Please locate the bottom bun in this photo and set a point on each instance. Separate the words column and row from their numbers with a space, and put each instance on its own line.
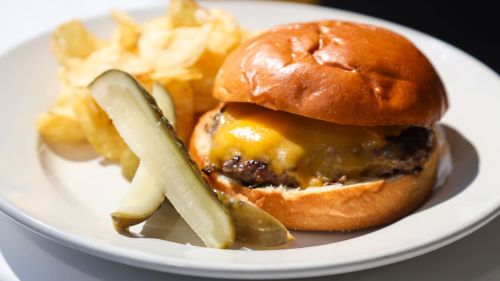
column 334, row 207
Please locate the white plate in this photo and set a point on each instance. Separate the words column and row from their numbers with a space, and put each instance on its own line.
column 68, row 197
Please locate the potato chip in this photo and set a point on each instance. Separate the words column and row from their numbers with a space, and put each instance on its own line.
column 225, row 35
column 158, row 24
column 72, row 41
column 64, row 103
column 129, row 163
column 181, row 13
column 127, row 32
column 103, row 59
column 60, row 123
column 98, row 128
column 176, row 48
column 152, row 42
column 183, row 97
column 208, row 64
column 59, row 128
column 178, row 74
column 146, row 81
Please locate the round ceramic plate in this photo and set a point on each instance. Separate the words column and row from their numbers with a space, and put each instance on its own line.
column 68, row 194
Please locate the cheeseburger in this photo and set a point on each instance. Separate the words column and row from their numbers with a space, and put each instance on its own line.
column 326, row 125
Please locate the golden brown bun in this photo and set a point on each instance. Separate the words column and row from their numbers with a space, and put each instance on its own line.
column 347, row 207
column 341, row 72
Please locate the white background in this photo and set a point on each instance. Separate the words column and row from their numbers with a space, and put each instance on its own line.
column 25, row 255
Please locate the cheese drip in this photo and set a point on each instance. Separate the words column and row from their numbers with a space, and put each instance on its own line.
column 314, row 152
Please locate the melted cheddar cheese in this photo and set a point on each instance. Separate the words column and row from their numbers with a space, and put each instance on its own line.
column 314, row 152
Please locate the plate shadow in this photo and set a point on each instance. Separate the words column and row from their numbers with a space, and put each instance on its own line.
column 465, row 169
column 166, row 224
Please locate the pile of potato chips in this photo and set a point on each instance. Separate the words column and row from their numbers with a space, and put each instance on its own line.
column 182, row 51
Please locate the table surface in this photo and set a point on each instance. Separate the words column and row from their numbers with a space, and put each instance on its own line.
column 25, row 255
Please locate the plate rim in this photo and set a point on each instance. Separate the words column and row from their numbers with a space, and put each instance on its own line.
column 119, row 254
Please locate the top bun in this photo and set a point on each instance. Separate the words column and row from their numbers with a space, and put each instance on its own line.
column 341, row 72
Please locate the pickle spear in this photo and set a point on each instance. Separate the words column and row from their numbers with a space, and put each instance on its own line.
column 141, row 124
column 254, row 225
column 141, row 200
column 145, row 194
column 165, row 103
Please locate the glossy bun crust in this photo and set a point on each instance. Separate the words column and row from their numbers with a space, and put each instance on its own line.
column 328, row 208
column 341, row 72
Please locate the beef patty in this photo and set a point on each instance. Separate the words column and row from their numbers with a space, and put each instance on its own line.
column 404, row 154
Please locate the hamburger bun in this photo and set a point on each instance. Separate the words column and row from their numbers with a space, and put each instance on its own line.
column 333, row 207
column 341, row 72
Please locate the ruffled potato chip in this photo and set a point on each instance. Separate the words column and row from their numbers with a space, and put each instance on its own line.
column 127, row 33
column 225, row 33
column 98, row 128
column 103, row 59
column 102, row 135
column 176, row 48
column 158, row 24
column 129, row 163
column 72, row 41
column 208, row 64
column 181, row 13
column 183, row 97
column 183, row 74
column 59, row 128
column 60, row 123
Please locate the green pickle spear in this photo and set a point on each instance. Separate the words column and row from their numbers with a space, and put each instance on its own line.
column 165, row 103
column 145, row 194
column 149, row 135
column 167, row 168
column 253, row 225
column 141, row 200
